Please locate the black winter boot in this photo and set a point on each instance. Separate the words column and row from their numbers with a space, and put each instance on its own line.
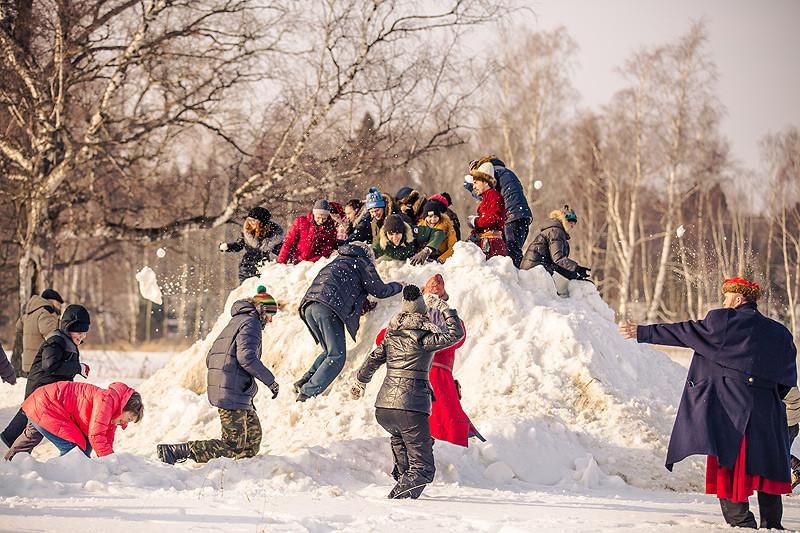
column 173, row 453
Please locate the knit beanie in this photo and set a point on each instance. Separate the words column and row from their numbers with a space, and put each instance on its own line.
column 260, row 213
column 394, row 224
column 322, row 207
column 412, row 300
column 374, row 199
column 402, row 193
column 749, row 289
column 435, row 285
column 50, row 294
column 443, row 199
column 266, row 301
column 434, row 207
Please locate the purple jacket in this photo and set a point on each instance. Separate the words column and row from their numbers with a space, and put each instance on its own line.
column 743, row 365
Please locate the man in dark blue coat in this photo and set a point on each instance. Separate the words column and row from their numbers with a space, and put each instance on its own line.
column 234, row 364
column 731, row 408
column 518, row 214
column 335, row 300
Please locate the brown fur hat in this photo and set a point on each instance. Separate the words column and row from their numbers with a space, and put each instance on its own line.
column 750, row 290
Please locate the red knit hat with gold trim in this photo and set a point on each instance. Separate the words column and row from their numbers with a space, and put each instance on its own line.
column 749, row 289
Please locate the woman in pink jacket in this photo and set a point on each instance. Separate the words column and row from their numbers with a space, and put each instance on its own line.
column 73, row 414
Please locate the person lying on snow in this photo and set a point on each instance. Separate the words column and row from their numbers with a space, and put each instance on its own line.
column 79, row 415
column 234, row 364
column 403, row 404
column 399, row 241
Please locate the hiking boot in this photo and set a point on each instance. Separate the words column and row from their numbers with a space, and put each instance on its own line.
column 302, row 397
column 173, row 453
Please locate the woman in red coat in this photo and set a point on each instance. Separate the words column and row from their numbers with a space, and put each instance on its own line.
column 448, row 420
column 311, row 237
column 488, row 224
column 73, row 414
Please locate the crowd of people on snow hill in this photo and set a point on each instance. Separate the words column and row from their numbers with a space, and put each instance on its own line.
column 740, row 404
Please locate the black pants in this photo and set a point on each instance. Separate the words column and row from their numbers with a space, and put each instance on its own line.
column 412, row 447
column 516, row 232
column 770, row 507
column 14, row 428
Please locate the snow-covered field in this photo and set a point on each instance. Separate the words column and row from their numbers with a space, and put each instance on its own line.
column 577, row 422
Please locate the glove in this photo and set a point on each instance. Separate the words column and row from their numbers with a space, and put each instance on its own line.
column 223, row 247
column 421, row 257
column 471, row 221
column 274, row 388
column 357, row 390
column 369, row 305
column 468, row 178
column 434, row 302
column 84, row 370
column 11, row 379
column 582, row 272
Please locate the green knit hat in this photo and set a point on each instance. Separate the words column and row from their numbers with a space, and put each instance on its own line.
column 266, row 300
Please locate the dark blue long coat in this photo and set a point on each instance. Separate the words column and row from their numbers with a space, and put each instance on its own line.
column 509, row 186
column 343, row 285
column 743, row 365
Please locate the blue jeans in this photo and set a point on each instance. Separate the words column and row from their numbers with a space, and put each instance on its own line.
column 516, row 232
column 329, row 331
column 63, row 445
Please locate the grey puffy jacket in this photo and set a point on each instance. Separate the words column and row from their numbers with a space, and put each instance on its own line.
column 234, row 360
column 550, row 248
column 407, row 349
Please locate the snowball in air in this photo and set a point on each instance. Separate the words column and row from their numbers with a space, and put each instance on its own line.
column 148, row 285
column 537, row 184
column 161, row 252
column 680, row 231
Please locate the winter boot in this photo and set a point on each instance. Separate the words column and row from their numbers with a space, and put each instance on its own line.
column 299, row 384
column 302, row 397
column 173, row 453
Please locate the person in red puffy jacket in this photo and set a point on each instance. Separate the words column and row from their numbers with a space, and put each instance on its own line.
column 311, row 237
column 73, row 414
column 487, row 226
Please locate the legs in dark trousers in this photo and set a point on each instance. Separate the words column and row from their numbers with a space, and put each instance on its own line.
column 770, row 507
column 515, row 234
column 14, row 428
column 329, row 330
column 411, row 441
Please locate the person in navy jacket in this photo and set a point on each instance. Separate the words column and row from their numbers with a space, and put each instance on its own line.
column 731, row 408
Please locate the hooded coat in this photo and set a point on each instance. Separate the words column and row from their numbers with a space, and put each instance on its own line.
column 79, row 411
column 550, row 248
column 343, row 285
column 414, row 240
column 256, row 250
column 445, row 249
column 40, row 319
column 234, row 360
column 308, row 241
column 58, row 358
column 742, row 367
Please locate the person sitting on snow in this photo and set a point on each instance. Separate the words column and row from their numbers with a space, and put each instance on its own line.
column 78, row 415
column 58, row 359
column 335, row 300
column 434, row 217
column 550, row 248
column 403, row 404
column 399, row 241
column 234, row 364
column 377, row 207
column 311, row 237
column 261, row 240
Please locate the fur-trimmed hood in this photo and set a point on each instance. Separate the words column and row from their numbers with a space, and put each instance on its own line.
column 559, row 215
column 383, row 239
column 412, row 321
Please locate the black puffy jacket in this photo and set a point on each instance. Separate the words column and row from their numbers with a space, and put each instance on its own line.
column 550, row 248
column 407, row 349
column 234, row 360
column 343, row 286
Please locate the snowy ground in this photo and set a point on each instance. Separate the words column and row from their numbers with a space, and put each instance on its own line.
column 577, row 422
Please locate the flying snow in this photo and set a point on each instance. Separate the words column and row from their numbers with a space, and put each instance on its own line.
column 148, row 285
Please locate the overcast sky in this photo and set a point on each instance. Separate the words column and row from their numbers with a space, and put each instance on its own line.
column 755, row 44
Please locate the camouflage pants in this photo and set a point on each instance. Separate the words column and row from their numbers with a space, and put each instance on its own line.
column 241, row 437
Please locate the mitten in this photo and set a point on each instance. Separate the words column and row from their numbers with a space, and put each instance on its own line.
column 357, row 390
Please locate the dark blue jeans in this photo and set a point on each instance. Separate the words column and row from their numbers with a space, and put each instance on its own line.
column 329, row 331
column 516, row 232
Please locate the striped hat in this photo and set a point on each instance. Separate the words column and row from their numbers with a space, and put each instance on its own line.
column 268, row 303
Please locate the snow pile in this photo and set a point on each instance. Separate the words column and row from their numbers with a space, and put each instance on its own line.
column 148, row 285
column 562, row 398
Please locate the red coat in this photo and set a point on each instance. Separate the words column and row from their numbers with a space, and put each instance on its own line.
column 75, row 411
column 306, row 241
column 448, row 420
column 491, row 218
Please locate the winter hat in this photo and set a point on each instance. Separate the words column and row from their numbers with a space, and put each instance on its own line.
column 374, row 199
column 268, row 303
column 412, row 300
column 50, row 294
column 322, row 207
column 749, row 289
column 443, row 199
column 260, row 213
column 337, row 209
column 433, row 207
column 484, row 172
column 569, row 214
column 394, row 224
column 402, row 193
column 435, row 285
column 75, row 319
